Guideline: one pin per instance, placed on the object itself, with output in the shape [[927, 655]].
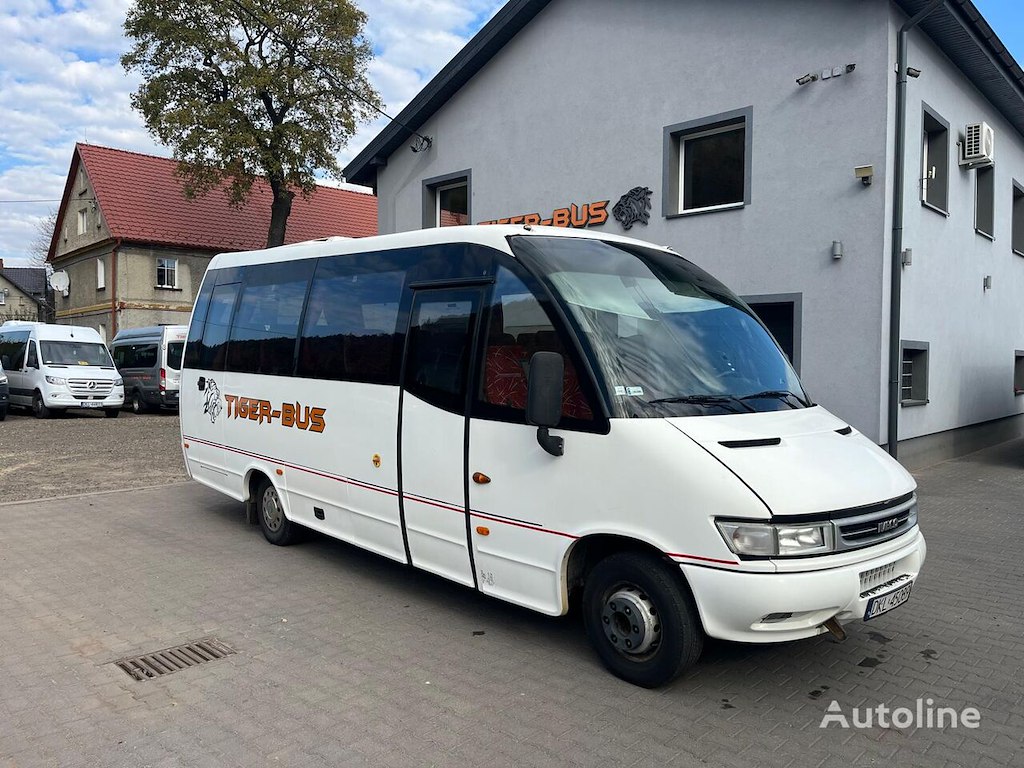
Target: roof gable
[[142, 200], [29, 280]]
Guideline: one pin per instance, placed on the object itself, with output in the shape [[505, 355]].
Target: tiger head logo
[[213, 404], [633, 207]]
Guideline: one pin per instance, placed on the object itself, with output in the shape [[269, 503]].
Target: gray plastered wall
[[572, 110]]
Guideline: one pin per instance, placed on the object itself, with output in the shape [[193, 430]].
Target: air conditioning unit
[[978, 147]]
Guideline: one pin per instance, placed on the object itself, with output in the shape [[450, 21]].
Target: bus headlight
[[118, 382], [56, 381], [777, 540]]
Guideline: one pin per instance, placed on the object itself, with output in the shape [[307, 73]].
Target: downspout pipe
[[896, 261], [113, 289]]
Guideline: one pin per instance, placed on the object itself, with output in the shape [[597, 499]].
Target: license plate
[[885, 603], [88, 404]]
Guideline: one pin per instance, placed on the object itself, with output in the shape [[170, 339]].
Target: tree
[[242, 89], [40, 246]]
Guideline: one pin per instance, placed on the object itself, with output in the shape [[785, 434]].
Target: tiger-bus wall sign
[[576, 216]]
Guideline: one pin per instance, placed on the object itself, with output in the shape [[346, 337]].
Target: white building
[[763, 138]]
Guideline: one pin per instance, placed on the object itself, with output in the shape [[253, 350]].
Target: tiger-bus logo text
[[287, 415]]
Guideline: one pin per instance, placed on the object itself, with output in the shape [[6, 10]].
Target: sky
[[61, 82]]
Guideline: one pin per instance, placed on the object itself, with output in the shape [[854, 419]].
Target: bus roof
[[493, 235]]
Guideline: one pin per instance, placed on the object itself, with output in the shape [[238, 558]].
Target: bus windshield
[[74, 353], [664, 337]]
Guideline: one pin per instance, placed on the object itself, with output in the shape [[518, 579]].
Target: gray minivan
[[149, 361]]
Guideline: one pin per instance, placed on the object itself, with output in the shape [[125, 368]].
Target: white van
[[51, 368], [149, 361], [546, 416]]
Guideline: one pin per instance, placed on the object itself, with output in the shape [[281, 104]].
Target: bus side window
[[350, 331], [195, 330], [266, 323], [517, 327], [213, 347]]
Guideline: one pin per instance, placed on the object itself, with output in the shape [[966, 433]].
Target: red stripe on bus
[[422, 500]]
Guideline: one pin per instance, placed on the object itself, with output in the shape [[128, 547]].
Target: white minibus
[[546, 416], [54, 368]]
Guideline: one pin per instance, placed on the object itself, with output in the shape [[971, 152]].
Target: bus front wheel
[[641, 619], [277, 528]]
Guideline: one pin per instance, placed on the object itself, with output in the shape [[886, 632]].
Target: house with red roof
[[135, 248]]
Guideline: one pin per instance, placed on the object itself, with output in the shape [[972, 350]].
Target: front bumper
[[67, 400], [733, 605]]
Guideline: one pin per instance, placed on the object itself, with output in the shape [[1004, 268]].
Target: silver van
[[149, 361]]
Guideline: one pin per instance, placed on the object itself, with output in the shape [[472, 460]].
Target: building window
[[1018, 372], [101, 276], [706, 163], [166, 273], [914, 373], [985, 202], [3, 296], [1017, 222], [83, 221], [935, 161], [446, 200], [781, 313]]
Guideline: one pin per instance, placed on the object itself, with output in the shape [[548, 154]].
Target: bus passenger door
[[433, 429]]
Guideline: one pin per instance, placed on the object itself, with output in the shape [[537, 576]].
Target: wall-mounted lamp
[[907, 257], [837, 249], [865, 173], [913, 72], [810, 77], [987, 284]]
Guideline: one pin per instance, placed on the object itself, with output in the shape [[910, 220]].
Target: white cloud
[[61, 82]]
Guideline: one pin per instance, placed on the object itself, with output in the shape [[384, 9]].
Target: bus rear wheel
[[277, 528], [641, 619]]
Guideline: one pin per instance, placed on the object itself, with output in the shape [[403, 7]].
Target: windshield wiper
[[723, 400], [777, 394]]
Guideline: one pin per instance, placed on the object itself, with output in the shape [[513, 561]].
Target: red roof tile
[[142, 200]]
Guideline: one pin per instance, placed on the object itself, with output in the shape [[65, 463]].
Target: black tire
[[137, 404], [639, 600], [39, 409], [112, 413], [3, 413], [277, 528]]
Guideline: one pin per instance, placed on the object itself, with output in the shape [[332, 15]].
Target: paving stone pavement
[[346, 659]]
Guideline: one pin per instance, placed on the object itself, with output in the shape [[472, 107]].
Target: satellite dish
[[60, 281]]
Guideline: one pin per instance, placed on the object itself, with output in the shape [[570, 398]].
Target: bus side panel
[[335, 446], [202, 429]]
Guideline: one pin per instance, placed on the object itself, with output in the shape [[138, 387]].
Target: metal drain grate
[[173, 659]]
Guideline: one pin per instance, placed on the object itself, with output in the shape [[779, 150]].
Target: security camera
[[913, 72], [808, 78]]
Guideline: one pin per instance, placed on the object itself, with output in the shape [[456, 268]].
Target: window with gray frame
[[707, 163], [1017, 223], [985, 202], [1018, 372], [446, 200], [935, 161], [914, 373]]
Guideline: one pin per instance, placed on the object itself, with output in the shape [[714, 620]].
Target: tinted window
[[195, 330], [135, 355], [212, 349], [518, 325], [439, 351], [266, 322], [174, 350], [12, 347], [33, 358], [351, 330]]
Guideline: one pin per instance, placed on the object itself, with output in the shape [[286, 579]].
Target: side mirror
[[544, 398]]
